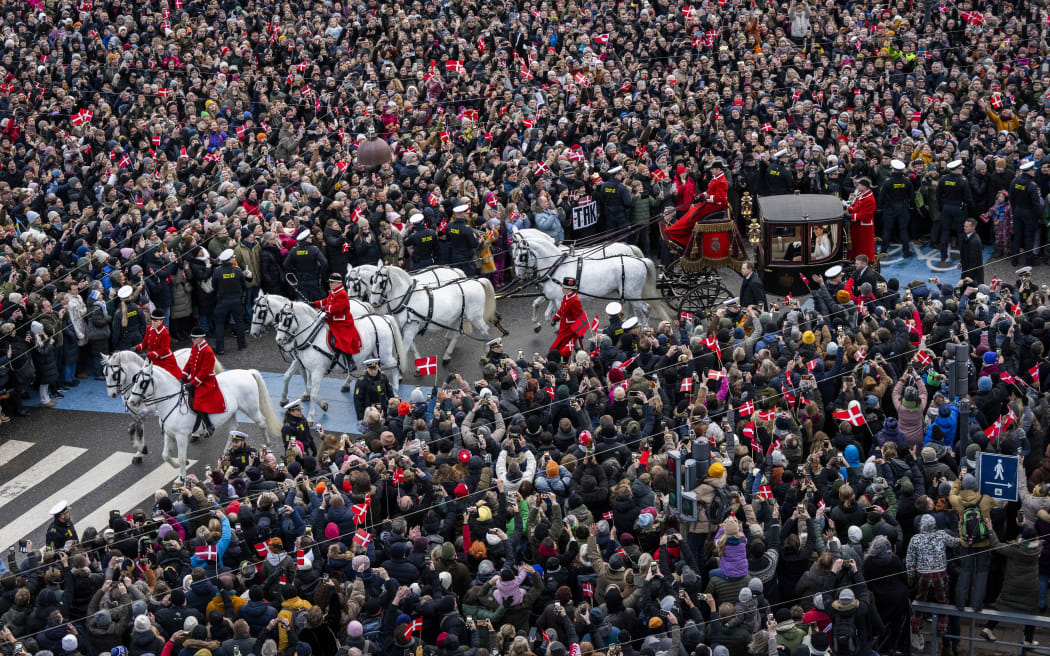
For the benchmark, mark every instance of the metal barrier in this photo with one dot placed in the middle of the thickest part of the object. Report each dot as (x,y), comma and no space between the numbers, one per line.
(1015,619)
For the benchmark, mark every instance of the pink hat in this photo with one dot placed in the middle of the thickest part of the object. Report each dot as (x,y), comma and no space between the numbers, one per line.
(331,531)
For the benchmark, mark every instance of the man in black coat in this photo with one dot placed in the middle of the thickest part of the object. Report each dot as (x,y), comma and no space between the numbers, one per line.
(971,253)
(751,290)
(863,273)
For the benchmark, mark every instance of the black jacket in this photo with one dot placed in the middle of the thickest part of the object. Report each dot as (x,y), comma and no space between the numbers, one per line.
(752,292)
(972,258)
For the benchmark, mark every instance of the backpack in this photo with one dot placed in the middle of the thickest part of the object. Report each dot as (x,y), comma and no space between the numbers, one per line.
(719,508)
(372,629)
(845,639)
(974,529)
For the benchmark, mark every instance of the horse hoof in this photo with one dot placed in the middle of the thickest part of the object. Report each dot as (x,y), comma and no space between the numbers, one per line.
(344,389)
(324,406)
(445,361)
(304,398)
(537,329)
(284,400)
(136,460)
(145,449)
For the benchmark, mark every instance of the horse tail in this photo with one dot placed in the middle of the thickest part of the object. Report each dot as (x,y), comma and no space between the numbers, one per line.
(399,345)
(273,424)
(218,367)
(637,252)
(650,290)
(490,300)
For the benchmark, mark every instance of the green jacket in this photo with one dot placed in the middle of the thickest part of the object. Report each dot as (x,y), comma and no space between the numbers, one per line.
(248,259)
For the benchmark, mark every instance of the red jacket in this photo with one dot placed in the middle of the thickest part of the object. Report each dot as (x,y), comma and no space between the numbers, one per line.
(200,372)
(570,312)
(718,192)
(157,347)
(862,209)
(336,307)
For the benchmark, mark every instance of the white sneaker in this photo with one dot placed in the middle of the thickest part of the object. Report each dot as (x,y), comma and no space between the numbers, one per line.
(988,635)
(47,404)
(1031,643)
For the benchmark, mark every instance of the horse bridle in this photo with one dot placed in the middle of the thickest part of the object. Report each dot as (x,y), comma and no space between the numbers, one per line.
(118,377)
(262,307)
(140,382)
(382,279)
(523,255)
(284,321)
(354,285)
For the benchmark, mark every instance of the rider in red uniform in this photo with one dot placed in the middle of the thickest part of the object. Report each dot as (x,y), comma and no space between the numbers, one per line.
(199,374)
(862,220)
(715,199)
(157,346)
(340,322)
(570,311)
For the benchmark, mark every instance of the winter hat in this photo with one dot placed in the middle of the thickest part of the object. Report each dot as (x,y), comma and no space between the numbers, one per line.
(461,491)
(142,623)
(989,357)
(103,619)
(354,629)
(833,349)
(331,531)
(716,470)
(745,595)
(69,642)
(808,337)
(552,469)
(870,471)
(139,607)
(359,561)
(645,520)
(846,601)
(819,643)
(842,296)
(969,482)
(944,411)
(928,454)
(854,534)
(984,383)
(755,585)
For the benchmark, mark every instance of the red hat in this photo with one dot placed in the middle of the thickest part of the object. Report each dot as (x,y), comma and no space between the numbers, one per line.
(615,376)
(464,456)
(346,485)
(233,508)
(680,169)
(461,491)
(404,408)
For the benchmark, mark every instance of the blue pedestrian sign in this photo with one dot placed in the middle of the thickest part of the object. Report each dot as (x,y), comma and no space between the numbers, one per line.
(997,476)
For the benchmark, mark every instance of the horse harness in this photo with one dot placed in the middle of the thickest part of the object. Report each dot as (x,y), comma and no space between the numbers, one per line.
(548,274)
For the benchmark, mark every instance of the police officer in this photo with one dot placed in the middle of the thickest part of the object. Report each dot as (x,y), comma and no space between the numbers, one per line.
(421,243)
(229,284)
(464,242)
(372,389)
(779,178)
(61,529)
(614,327)
(240,456)
(615,202)
(495,355)
(953,191)
(129,321)
(895,195)
(296,429)
(1024,199)
(308,265)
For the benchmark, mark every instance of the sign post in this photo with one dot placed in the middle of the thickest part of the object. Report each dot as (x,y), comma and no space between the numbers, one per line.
(997,476)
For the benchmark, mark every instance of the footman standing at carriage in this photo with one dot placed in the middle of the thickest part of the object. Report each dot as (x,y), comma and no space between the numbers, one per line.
(464,242)
(570,312)
(372,389)
(199,377)
(715,199)
(296,429)
(340,322)
(862,220)
(421,243)
(157,346)
(307,263)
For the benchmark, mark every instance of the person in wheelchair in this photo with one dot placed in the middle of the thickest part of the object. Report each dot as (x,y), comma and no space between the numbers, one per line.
(715,199)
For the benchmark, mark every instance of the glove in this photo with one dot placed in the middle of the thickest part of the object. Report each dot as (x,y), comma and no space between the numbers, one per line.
(554,322)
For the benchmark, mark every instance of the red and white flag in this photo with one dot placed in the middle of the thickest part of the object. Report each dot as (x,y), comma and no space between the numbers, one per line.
(686,386)
(995,430)
(685,316)
(300,558)
(588,590)
(426,366)
(812,364)
(1034,373)
(766,127)
(81,117)
(360,511)
(398,476)
(924,358)
(1007,378)
(262,550)
(766,415)
(541,169)
(454,66)
(765,491)
(852,414)
(860,354)
(601,39)
(412,627)
(716,374)
(207,552)
(746,409)
(711,342)
(608,514)
(362,537)
(974,18)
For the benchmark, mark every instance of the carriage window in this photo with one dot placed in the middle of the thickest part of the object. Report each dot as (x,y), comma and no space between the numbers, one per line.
(823,241)
(785,243)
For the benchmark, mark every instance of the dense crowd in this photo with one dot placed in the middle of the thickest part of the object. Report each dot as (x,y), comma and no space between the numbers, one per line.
(530,512)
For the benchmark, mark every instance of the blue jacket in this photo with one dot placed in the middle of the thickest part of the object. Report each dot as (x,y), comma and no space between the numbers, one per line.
(948,425)
(220,548)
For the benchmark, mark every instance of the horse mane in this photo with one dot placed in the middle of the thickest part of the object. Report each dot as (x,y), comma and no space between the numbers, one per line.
(121,358)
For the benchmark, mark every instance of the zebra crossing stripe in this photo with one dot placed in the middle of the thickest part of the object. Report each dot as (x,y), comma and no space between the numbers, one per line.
(131,497)
(72,492)
(11,450)
(36,474)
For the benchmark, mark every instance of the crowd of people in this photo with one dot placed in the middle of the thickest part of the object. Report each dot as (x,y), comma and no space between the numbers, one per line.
(165,162)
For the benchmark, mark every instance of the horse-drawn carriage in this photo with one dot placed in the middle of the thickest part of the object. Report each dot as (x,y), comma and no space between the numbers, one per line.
(789,234)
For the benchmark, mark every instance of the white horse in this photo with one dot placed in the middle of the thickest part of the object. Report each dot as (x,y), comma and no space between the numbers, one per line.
(264,315)
(623,277)
(595,252)
(456,307)
(359,279)
(146,388)
(303,333)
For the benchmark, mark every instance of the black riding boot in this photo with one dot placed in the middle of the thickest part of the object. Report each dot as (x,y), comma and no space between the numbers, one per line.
(204,420)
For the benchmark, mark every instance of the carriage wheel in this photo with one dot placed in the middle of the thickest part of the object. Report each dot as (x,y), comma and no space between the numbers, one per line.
(676,279)
(704,297)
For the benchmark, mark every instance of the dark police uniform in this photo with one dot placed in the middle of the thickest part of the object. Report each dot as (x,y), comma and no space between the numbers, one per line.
(59,532)
(308,265)
(779,179)
(464,242)
(297,429)
(242,458)
(614,200)
(895,195)
(230,287)
(615,328)
(422,245)
(1024,200)
(372,390)
(953,192)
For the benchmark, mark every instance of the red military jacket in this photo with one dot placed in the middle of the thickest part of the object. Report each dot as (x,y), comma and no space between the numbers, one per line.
(200,372)
(157,346)
(336,307)
(862,209)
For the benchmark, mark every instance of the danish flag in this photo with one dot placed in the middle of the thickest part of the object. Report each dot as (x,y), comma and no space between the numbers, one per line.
(686,386)
(433,199)
(602,39)
(766,415)
(360,511)
(746,409)
(860,354)
(125,161)
(164,93)
(342,165)
(972,17)
(398,476)
(541,169)
(997,101)
(454,65)
(805,280)
(357,214)
(300,558)
(82,116)
(812,364)
(685,316)
(995,430)
(362,537)
(788,396)
(528,122)
(526,72)
(621,551)
(766,127)
(688,12)
(711,342)
(765,491)
(426,366)
(445,136)
(1034,373)
(594,325)
(608,514)
(716,374)
(1007,378)
(261,550)
(588,590)
(924,358)
(995,282)
(207,552)
(852,414)
(412,627)
(660,176)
